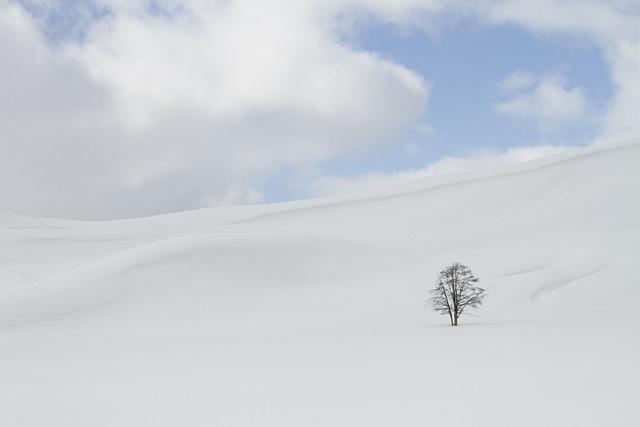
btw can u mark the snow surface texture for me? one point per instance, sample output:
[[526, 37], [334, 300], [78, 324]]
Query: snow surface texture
[[312, 313]]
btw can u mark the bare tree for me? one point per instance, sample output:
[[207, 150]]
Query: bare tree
[[455, 292]]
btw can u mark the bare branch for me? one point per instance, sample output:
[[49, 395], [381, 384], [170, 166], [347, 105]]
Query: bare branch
[[455, 292]]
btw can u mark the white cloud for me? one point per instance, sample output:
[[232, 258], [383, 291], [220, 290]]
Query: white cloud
[[182, 104], [172, 104], [549, 104], [378, 183], [517, 80], [490, 159], [613, 25]]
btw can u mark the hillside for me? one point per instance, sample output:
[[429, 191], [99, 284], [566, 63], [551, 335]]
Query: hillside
[[312, 313]]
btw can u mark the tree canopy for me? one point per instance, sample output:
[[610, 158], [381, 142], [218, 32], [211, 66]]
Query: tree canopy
[[456, 291]]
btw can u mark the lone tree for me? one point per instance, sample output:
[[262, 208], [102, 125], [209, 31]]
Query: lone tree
[[456, 291]]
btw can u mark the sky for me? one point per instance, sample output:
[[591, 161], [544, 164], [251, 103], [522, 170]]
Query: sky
[[114, 109]]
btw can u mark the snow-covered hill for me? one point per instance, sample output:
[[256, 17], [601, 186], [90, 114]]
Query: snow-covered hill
[[312, 313]]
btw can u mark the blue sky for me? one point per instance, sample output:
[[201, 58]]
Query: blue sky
[[245, 101], [465, 62]]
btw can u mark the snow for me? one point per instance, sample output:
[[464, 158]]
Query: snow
[[312, 313]]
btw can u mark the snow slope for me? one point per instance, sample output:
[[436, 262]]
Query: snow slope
[[312, 313]]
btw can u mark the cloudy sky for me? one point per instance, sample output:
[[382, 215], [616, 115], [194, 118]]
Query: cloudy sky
[[120, 108]]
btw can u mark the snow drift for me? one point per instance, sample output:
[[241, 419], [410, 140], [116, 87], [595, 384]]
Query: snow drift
[[312, 312]]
